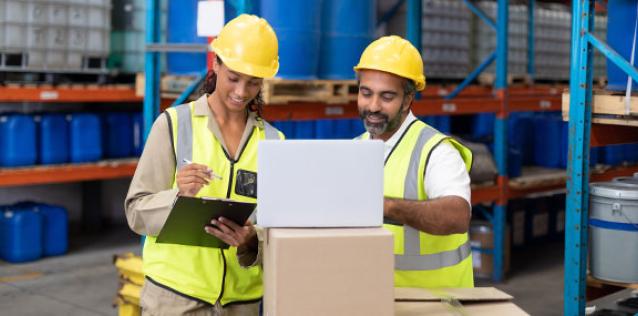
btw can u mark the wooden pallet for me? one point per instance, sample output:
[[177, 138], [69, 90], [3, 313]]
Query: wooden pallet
[[171, 85], [597, 288], [608, 107], [488, 79], [281, 91], [537, 177]]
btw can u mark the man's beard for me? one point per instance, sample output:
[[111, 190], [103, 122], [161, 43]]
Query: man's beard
[[385, 125]]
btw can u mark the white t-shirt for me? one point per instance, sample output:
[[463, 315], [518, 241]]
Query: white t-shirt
[[445, 173]]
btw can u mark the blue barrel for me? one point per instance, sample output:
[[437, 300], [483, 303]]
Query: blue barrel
[[483, 125], [620, 32], [56, 230], [326, 129], [182, 28], [86, 137], [347, 27], [54, 139], [514, 162], [20, 234], [356, 126], [118, 135], [138, 134], [521, 136], [297, 24], [231, 9], [286, 127], [17, 140], [613, 154], [305, 130], [548, 142]]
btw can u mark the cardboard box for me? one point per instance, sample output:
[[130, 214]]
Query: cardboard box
[[482, 236], [323, 271], [472, 301]]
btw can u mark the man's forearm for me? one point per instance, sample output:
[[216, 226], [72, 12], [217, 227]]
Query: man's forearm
[[442, 216]]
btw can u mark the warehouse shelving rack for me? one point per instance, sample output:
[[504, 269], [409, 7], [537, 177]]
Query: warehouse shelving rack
[[464, 98], [49, 174], [582, 134]]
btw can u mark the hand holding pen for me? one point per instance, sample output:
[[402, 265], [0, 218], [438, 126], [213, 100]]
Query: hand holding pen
[[214, 175], [193, 177]]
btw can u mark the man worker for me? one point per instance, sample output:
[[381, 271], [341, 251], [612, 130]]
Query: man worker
[[427, 185]]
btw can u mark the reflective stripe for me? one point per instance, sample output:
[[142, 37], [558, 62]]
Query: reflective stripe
[[270, 131], [411, 185], [433, 261], [411, 240], [184, 135], [412, 258]]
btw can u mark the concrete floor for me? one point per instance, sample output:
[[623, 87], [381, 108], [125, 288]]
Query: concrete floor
[[84, 281]]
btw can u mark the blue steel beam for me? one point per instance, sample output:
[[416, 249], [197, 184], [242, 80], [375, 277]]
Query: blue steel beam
[[475, 73], [612, 55], [530, 38], [480, 14], [151, 66], [500, 134], [488, 60], [577, 202], [413, 27], [191, 88]]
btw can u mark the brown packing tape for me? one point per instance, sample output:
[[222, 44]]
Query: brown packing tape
[[477, 294]]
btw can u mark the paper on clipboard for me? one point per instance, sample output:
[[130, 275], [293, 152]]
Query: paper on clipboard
[[185, 224]]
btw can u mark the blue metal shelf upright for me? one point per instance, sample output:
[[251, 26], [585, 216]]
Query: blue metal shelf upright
[[497, 218], [577, 208]]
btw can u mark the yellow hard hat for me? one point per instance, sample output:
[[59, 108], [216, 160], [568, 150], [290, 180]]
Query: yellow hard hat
[[248, 44], [395, 55]]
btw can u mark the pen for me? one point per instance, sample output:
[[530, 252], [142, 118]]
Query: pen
[[211, 172]]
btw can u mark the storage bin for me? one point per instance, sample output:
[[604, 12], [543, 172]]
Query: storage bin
[[53, 139], [118, 135], [20, 234], [613, 224], [85, 133], [17, 140]]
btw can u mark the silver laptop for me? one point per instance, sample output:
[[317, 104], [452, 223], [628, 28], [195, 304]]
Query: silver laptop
[[320, 183]]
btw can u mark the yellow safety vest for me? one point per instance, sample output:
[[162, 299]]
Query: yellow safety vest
[[209, 274], [422, 259]]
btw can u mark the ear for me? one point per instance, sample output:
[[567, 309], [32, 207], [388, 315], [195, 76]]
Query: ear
[[216, 66], [407, 103]]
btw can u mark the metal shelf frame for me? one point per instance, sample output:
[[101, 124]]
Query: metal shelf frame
[[580, 137]]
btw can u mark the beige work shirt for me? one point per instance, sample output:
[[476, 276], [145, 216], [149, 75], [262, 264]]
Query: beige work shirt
[[150, 196]]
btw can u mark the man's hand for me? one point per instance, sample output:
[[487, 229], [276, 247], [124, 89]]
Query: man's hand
[[233, 234], [191, 178]]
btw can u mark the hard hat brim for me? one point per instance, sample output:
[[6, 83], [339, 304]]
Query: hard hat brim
[[419, 84]]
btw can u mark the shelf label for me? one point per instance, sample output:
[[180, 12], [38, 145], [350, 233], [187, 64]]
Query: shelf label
[[49, 95], [545, 104], [334, 110], [448, 107]]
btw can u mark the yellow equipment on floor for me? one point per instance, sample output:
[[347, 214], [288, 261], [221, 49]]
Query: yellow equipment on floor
[[129, 267]]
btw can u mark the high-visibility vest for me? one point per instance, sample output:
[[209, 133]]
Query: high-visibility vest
[[209, 274], [422, 259]]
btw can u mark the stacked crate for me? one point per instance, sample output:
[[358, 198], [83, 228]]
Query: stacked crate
[[446, 28], [128, 38], [484, 39], [552, 42], [54, 36]]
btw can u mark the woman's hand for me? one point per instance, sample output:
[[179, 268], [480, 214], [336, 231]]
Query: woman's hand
[[233, 234], [191, 178]]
